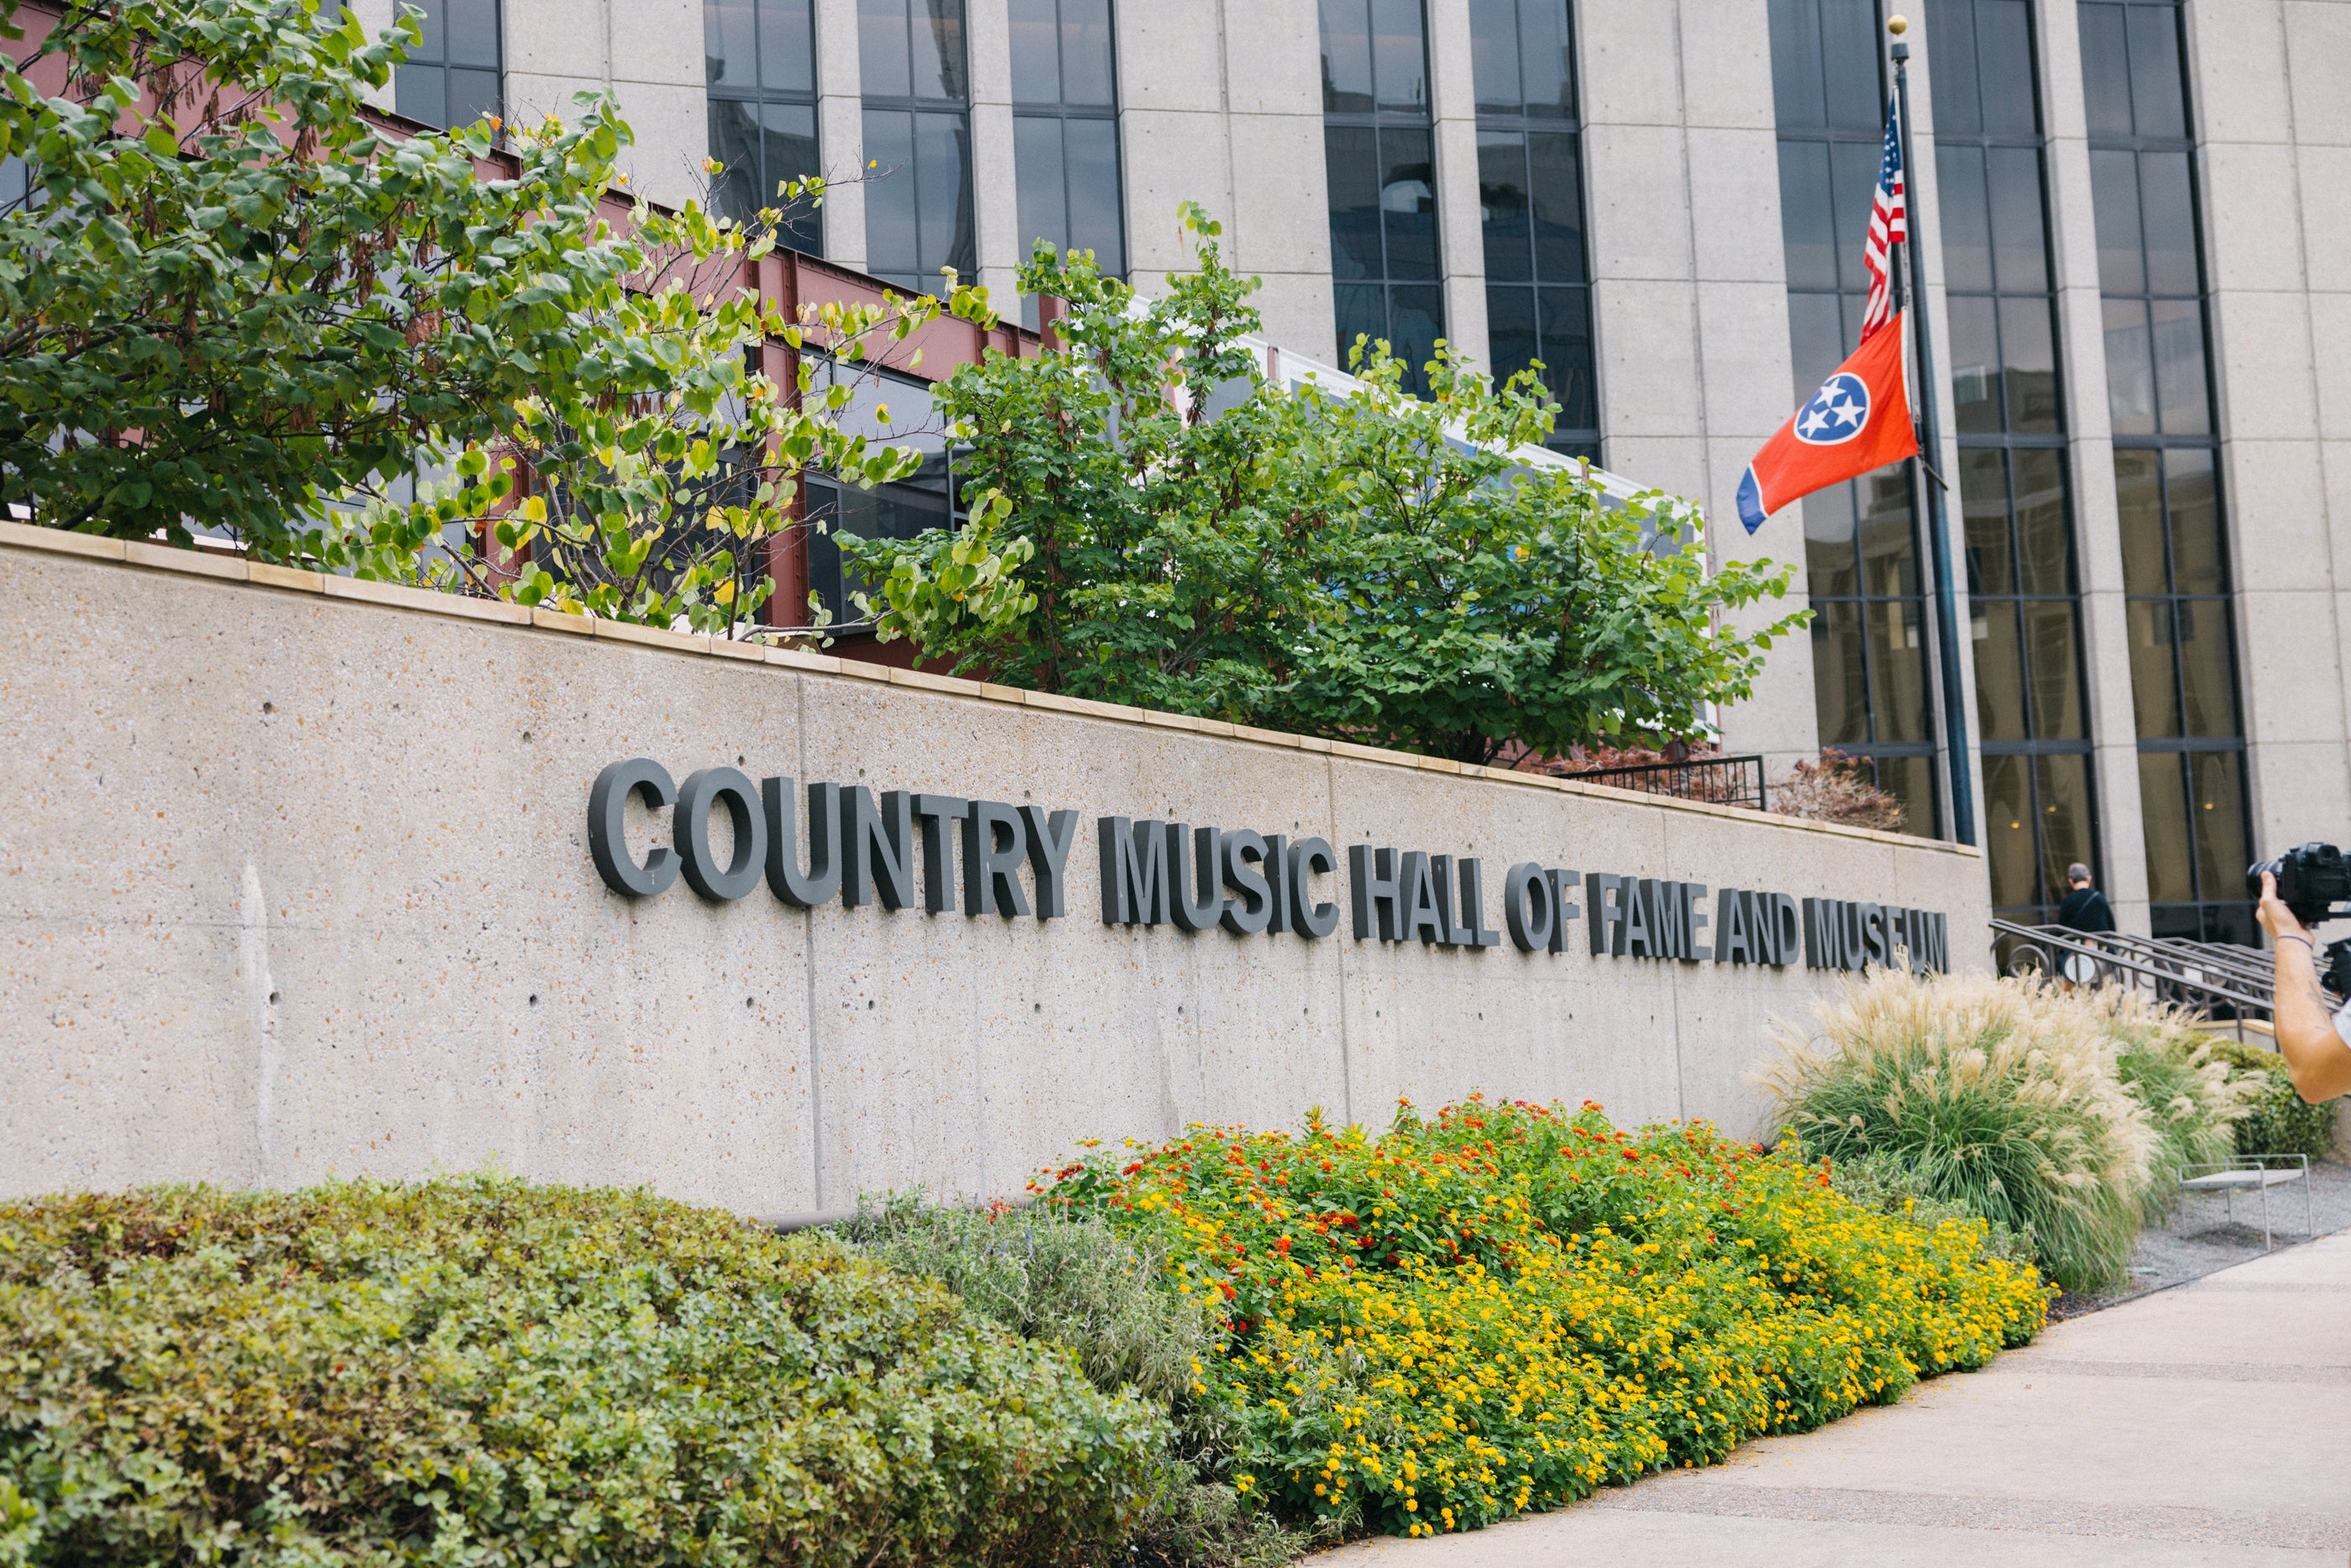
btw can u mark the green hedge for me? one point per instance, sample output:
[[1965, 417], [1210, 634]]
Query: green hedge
[[486, 1372], [2280, 1121]]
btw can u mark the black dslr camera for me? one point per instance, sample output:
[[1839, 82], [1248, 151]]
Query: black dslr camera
[[2312, 879]]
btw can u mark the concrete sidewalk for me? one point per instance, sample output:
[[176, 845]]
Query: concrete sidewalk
[[2208, 1425]]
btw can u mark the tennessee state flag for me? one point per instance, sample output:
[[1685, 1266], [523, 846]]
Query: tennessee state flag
[[1858, 421]]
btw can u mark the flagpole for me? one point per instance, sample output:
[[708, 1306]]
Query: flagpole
[[1938, 529]]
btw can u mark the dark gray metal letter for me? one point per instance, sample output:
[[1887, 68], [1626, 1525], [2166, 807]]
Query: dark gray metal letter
[[1196, 892], [1788, 927], [1049, 837], [1607, 920], [1440, 875], [1527, 907], [1417, 893], [1377, 884], [994, 845], [1474, 930], [608, 842], [1246, 857], [1307, 860], [878, 848], [1636, 937], [1277, 919], [1560, 881], [935, 812], [1731, 941], [1693, 920], [1134, 872], [784, 879], [690, 826]]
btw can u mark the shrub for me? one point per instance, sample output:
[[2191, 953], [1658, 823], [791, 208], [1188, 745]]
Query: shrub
[[486, 1371], [2277, 1120], [2165, 1060], [1837, 788], [1179, 532], [1500, 1309], [1070, 1278], [1883, 1184], [1999, 1095]]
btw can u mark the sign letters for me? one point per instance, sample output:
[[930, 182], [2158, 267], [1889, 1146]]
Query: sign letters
[[896, 848]]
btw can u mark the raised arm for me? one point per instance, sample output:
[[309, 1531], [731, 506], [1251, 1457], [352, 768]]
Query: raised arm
[[2315, 1053]]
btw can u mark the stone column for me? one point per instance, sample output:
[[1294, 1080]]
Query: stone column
[[996, 190], [841, 130], [1453, 111], [2273, 135], [1689, 294]]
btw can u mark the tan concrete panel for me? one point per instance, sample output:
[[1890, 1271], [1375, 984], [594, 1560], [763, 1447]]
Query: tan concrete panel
[[300, 888]]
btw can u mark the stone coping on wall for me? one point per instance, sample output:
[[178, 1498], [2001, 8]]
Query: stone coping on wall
[[225, 567]]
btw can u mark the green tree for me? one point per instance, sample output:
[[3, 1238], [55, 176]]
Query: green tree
[[230, 299], [1168, 528]]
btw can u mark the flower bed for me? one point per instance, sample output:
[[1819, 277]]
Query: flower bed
[[1495, 1310]]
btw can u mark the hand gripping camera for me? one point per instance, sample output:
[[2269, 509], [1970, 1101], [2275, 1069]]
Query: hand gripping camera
[[2311, 879]]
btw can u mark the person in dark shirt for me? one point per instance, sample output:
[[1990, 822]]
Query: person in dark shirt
[[2084, 909]]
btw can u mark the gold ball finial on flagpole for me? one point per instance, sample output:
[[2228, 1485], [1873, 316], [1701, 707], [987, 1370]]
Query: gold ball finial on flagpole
[[1898, 26]]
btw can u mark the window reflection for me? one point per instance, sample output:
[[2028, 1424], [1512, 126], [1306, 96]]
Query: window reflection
[[1380, 163], [760, 61], [1065, 132], [917, 125], [456, 76], [2010, 407], [1531, 207], [2180, 619]]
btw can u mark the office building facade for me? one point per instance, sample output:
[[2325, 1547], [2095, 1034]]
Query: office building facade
[[2139, 270]]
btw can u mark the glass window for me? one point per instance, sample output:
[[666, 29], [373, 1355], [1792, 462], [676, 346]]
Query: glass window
[[918, 198], [2011, 419], [2181, 623], [760, 62], [1379, 158], [1065, 132], [456, 76], [1531, 207]]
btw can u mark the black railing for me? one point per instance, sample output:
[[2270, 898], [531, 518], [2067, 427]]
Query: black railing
[[1724, 781], [2227, 985]]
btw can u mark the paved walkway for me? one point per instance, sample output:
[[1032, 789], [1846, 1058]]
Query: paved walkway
[[2207, 1426]]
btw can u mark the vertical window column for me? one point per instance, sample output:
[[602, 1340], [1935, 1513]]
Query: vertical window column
[[2022, 583], [457, 75], [760, 58], [1380, 154], [918, 198], [1862, 554], [1531, 207], [2174, 533], [1065, 132]]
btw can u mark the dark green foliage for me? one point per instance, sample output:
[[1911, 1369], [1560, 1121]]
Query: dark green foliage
[[212, 311], [1164, 526], [484, 1371], [1073, 1279], [2279, 1120]]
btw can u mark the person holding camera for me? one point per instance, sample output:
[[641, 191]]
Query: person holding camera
[[2298, 891]]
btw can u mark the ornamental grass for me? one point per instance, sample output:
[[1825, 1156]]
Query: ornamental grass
[[1497, 1310], [2001, 1094], [2167, 1062]]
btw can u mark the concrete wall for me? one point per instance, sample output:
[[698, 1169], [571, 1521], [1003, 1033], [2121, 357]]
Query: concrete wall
[[298, 884]]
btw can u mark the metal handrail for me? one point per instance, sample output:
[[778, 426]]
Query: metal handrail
[[2167, 969], [1723, 781]]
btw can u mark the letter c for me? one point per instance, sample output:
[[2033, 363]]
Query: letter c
[[606, 837]]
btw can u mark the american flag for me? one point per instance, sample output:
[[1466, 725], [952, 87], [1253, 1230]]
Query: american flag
[[1889, 223]]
